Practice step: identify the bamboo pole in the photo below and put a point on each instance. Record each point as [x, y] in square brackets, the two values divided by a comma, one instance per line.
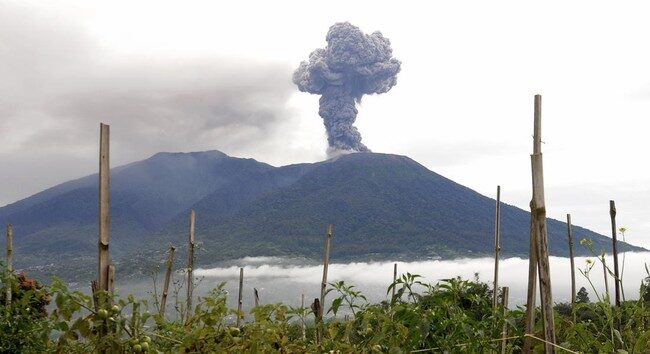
[529, 325]
[135, 319]
[239, 297]
[303, 327]
[326, 261]
[609, 299]
[394, 279]
[573, 269]
[111, 280]
[497, 247]
[190, 263]
[617, 277]
[316, 308]
[10, 260]
[104, 206]
[504, 331]
[94, 290]
[168, 275]
[537, 167]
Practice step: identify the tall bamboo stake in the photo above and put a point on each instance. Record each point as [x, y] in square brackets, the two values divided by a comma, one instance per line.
[609, 299]
[529, 324]
[168, 275]
[504, 330]
[104, 206]
[539, 214]
[497, 247]
[94, 290]
[617, 277]
[303, 327]
[573, 269]
[239, 297]
[394, 279]
[10, 259]
[326, 261]
[190, 263]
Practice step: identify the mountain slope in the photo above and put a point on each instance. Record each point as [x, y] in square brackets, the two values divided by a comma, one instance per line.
[381, 206]
[145, 196]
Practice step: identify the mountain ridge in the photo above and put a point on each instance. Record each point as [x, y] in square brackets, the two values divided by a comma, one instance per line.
[381, 205]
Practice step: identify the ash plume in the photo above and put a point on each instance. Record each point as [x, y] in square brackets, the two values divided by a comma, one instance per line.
[352, 64]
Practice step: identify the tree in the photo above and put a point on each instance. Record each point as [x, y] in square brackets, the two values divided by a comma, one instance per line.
[582, 296]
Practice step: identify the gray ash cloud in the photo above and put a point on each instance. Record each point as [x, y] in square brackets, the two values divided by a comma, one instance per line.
[352, 64]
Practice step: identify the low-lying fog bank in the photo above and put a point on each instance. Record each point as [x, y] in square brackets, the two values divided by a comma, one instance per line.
[284, 280]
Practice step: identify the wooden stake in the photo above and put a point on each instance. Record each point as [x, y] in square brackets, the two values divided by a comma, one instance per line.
[304, 329]
[168, 275]
[394, 279]
[239, 298]
[529, 325]
[573, 269]
[316, 309]
[539, 213]
[94, 289]
[617, 276]
[609, 299]
[111, 280]
[326, 261]
[104, 206]
[256, 296]
[10, 260]
[135, 319]
[497, 247]
[504, 331]
[190, 263]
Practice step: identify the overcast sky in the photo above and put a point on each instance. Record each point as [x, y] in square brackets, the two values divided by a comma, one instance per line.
[186, 76]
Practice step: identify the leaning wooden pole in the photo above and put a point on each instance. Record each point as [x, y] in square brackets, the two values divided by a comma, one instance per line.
[104, 207]
[617, 276]
[190, 263]
[239, 297]
[168, 275]
[607, 296]
[571, 262]
[497, 247]
[529, 325]
[537, 167]
[394, 280]
[326, 262]
[504, 330]
[10, 260]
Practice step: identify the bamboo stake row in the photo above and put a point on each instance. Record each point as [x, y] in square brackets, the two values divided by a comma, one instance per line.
[538, 264]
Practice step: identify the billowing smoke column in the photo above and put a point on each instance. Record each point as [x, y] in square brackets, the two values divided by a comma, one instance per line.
[352, 64]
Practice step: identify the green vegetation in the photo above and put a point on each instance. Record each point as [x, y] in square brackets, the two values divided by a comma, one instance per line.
[452, 316]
